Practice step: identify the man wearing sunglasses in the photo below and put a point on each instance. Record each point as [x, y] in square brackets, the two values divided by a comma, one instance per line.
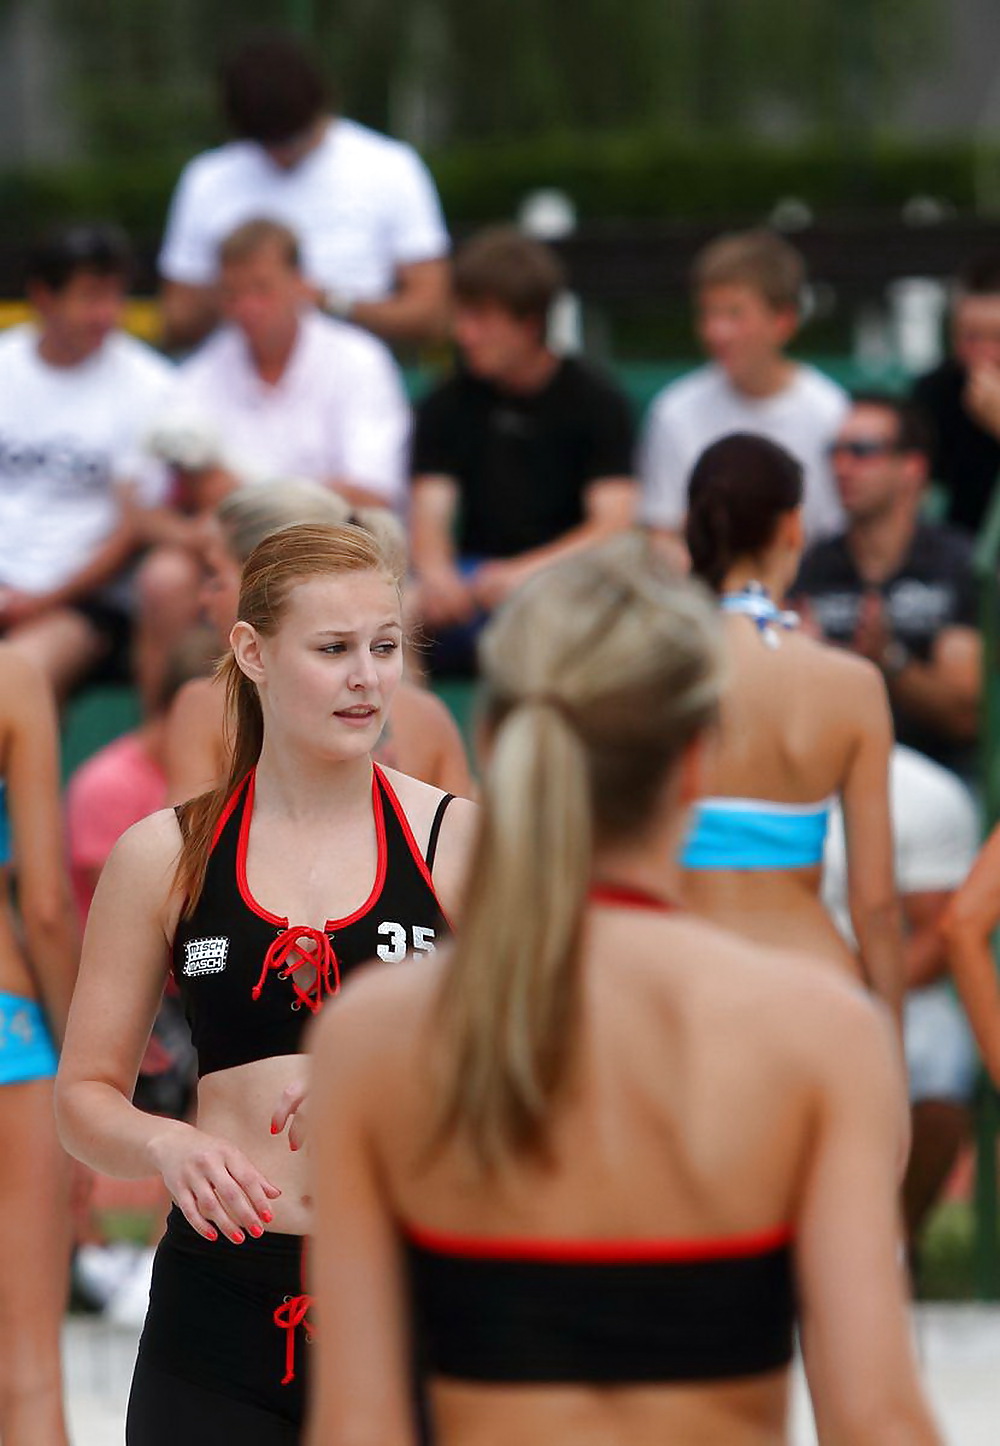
[897, 587]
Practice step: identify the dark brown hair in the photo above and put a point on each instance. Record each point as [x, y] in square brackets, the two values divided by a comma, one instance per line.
[740, 487]
[272, 90]
[503, 266]
[252, 237]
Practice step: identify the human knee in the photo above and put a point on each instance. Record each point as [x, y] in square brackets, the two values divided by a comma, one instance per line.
[167, 581]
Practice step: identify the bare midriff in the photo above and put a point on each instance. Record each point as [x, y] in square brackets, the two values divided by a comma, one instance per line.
[237, 1105]
[15, 975]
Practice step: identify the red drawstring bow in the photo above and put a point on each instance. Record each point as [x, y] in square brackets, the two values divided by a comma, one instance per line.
[288, 953]
[291, 1314]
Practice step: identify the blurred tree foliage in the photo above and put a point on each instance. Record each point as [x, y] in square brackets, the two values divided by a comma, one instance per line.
[450, 70]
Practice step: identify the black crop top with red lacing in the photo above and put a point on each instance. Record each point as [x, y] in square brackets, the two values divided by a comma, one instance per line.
[236, 964]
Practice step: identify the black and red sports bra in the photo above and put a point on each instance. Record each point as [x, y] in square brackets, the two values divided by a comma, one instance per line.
[250, 979]
[601, 1312]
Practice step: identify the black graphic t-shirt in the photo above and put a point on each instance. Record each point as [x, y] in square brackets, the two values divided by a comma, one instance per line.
[933, 589]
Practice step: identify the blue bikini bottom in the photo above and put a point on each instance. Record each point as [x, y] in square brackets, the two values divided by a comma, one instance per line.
[26, 1048]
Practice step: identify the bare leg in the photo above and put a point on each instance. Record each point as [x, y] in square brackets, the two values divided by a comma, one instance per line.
[167, 588]
[34, 1267]
[63, 644]
[940, 1129]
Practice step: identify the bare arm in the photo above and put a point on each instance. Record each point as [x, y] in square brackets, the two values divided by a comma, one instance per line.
[945, 691]
[362, 1395]
[441, 594]
[871, 887]
[194, 743]
[967, 927]
[418, 309]
[122, 973]
[609, 507]
[44, 897]
[925, 957]
[187, 314]
[855, 1329]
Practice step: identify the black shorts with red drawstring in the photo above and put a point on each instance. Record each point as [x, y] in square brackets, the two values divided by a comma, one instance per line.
[224, 1350]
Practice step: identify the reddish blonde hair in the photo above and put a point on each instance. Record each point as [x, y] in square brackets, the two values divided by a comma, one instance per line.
[283, 559]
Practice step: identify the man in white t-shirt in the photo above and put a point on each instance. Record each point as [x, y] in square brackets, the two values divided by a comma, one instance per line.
[76, 398]
[366, 211]
[748, 290]
[936, 836]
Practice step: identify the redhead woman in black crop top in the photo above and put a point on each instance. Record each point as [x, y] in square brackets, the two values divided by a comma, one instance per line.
[593, 1163]
[261, 897]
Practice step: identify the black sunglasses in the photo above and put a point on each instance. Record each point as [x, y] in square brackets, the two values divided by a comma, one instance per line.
[861, 448]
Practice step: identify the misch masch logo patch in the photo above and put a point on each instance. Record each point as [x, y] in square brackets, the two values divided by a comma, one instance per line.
[205, 956]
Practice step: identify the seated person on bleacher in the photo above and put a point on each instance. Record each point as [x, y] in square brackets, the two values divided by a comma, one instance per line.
[280, 390]
[520, 458]
[76, 398]
[897, 588]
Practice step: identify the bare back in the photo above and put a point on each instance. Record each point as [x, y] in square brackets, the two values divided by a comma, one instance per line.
[795, 723]
[681, 1124]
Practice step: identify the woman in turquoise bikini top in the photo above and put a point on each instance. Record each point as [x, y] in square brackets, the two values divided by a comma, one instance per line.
[802, 723]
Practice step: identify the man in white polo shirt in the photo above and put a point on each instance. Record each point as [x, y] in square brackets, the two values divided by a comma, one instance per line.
[76, 398]
[374, 242]
[279, 391]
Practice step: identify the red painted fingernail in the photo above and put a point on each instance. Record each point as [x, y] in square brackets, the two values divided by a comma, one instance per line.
[266, 1216]
[274, 1128]
[256, 1231]
[211, 1235]
[237, 1237]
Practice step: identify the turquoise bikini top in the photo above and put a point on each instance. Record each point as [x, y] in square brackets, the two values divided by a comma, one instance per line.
[754, 833]
[4, 826]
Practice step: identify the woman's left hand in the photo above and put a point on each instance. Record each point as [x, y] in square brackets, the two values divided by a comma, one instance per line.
[291, 1107]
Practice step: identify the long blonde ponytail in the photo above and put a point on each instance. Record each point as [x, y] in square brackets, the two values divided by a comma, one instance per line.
[597, 675]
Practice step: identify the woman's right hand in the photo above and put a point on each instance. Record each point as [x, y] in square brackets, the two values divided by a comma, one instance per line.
[213, 1183]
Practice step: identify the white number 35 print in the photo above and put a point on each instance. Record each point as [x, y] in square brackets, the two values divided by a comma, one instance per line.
[396, 946]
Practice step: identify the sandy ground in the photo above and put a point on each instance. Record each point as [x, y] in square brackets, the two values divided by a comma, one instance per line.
[959, 1345]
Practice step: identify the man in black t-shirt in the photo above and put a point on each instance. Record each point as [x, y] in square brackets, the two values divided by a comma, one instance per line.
[961, 398]
[520, 458]
[896, 588]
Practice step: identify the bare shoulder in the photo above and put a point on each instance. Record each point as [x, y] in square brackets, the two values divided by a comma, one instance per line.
[422, 706]
[378, 1004]
[839, 679]
[199, 701]
[802, 1007]
[147, 853]
[420, 802]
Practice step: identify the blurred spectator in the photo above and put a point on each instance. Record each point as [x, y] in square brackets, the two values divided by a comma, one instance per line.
[519, 459]
[897, 588]
[279, 391]
[935, 833]
[125, 780]
[748, 291]
[961, 398]
[76, 398]
[365, 207]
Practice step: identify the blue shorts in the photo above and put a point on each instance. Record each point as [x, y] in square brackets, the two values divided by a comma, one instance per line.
[941, 1057]
[26, 1048]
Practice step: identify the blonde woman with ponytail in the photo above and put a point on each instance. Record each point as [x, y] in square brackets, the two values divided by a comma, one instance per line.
[421, 738]
[591, 1165]
[260, 896]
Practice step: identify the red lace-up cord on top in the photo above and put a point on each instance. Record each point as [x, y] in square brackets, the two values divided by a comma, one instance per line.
[289, 952]
[291, 1314]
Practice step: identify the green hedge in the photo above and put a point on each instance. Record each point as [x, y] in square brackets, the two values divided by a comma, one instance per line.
[630, 177]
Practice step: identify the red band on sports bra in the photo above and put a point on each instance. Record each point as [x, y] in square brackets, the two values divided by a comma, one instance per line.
[602, 1252]
[627, 896]
[287, 954]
